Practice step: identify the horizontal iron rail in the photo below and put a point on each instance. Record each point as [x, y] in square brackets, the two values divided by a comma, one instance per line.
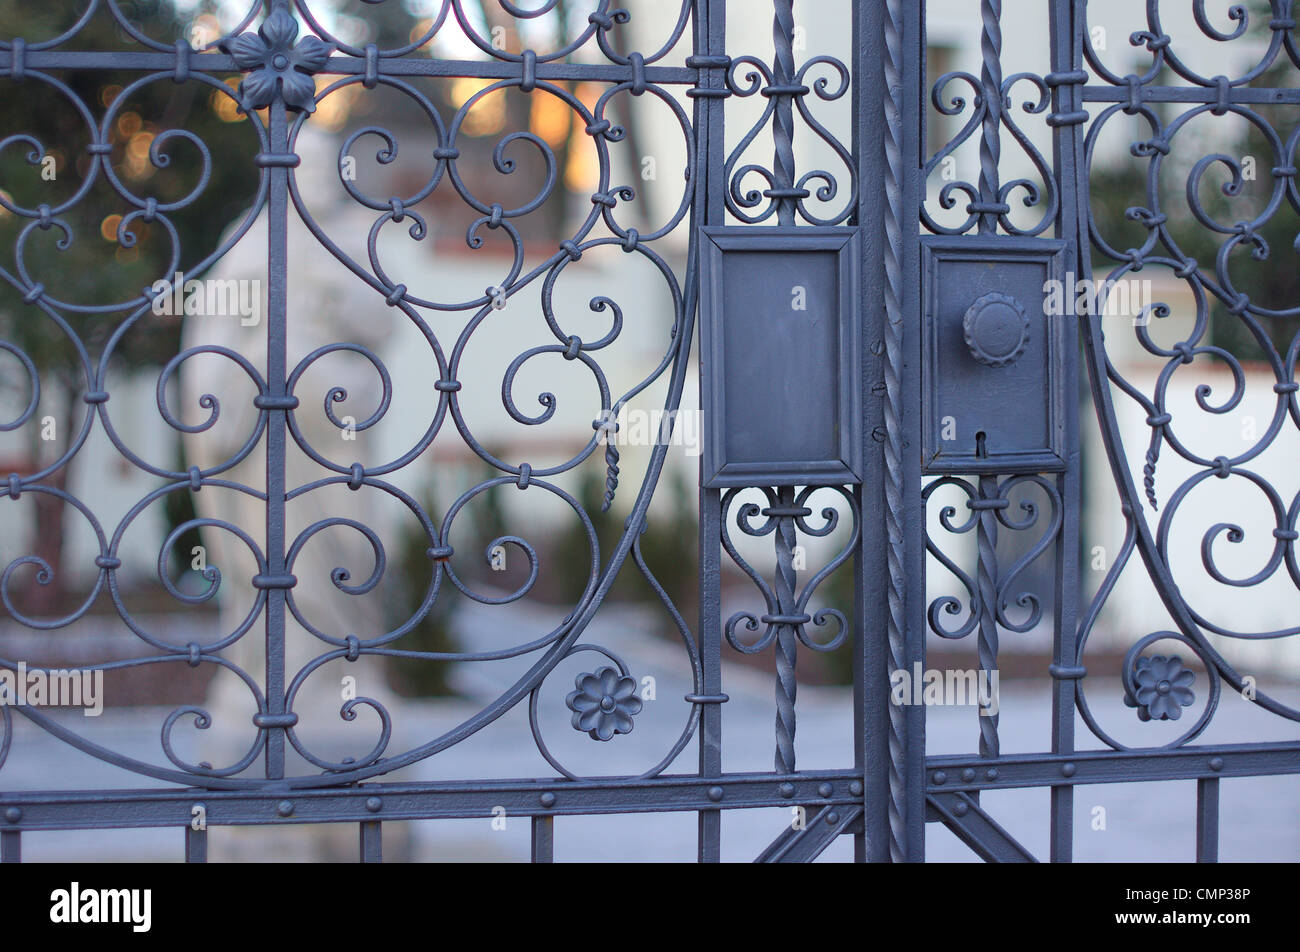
[351, 65]
[112, 809]
[1243, 95]
[948, 773]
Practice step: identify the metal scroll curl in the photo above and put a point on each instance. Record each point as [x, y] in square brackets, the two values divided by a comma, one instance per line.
[1177, 167]
[285, 404]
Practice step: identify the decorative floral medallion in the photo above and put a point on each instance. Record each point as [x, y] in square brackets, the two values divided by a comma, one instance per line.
[1162, 688]
[604, 703]
[277, 65]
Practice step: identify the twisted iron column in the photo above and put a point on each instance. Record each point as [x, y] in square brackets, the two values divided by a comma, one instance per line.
[893, 407]
[987, 505]
[786, 195]
[990, 143]
[783, 167]
[786, 637]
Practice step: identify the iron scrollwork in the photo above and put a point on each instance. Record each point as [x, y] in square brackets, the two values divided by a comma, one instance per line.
[278, 94]
[1173, 167]
[786, 618]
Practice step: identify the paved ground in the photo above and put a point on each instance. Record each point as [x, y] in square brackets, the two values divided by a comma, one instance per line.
[1260, 817]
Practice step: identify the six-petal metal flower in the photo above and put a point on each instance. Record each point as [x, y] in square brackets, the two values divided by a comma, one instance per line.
[604, 703]
[277, 65]
[1161, 688]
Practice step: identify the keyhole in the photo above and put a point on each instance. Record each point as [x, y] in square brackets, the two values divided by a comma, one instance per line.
[981, 449]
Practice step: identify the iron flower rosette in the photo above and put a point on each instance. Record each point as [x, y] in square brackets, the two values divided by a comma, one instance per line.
[1161, 688]
[276, 66]
[604, 703]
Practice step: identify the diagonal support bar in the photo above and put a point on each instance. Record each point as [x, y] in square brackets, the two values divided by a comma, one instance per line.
[806, 843]
[962, 813]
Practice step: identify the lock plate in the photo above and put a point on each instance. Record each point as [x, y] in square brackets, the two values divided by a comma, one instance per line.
[995, 362]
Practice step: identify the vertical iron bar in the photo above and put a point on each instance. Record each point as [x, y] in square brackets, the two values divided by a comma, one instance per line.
[277, 279]
[196, 845]
[1207, 820]
[783, 167]
[987, 543]
[895, 217]
[543, 839]
[901, 82]
[872, 607]
[710, 41]
[372, 841]
[787, 686]
[710, 833]
[1065, 650]
[990, 141]
[1066, 25]
[909, 542]
[11, 846]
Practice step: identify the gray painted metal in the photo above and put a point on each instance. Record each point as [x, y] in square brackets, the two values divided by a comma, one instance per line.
[987, 339]
[779, 328]
[924, 324]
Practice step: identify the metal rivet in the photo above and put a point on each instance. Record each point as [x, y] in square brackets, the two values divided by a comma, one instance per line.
[940, 777]
[961, 809]
[786, 790]
[855, 788]
[991, 773]
[1216, 763]
[374, 804]
[547, 799]
[832, 818]
[13, 814]
[825, 790]
[1067, 770]
[968, 774]
[715, 794]
[285, 808]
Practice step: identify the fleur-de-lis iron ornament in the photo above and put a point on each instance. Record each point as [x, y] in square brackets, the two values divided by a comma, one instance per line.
[277, 66]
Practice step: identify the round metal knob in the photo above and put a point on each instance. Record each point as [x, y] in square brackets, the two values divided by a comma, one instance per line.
[997, 330]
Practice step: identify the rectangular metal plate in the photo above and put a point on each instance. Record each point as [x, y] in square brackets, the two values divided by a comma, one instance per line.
[779, 357]
[980, 376]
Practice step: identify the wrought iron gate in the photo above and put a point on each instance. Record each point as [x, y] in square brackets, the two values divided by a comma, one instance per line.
[933, 363]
